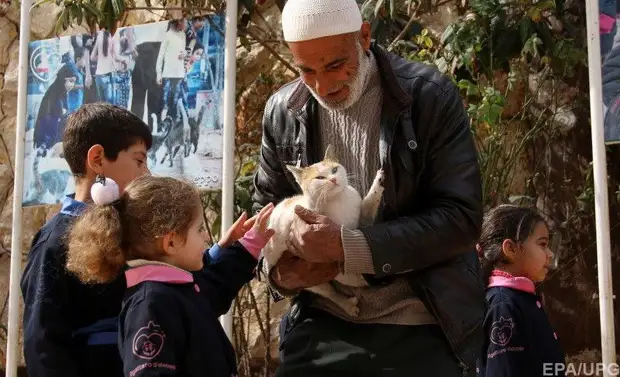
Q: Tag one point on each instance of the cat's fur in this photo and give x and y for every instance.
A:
(326, 190)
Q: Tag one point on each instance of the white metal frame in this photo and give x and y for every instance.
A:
(599, 162)
(12, 348)
(228, 160)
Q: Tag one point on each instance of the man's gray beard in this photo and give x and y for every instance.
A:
(356, 85)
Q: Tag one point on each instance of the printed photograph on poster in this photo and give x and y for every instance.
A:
(169, 73)
(609, 15)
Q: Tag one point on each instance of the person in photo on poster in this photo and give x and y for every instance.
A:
(169, 67)
(125, 49)
(53, 110)
(611, 95)
(103, 54)
(145, 89)
(78, 59)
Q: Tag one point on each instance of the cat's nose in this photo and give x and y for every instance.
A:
(333, 180)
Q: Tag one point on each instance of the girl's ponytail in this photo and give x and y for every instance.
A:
(94, 253)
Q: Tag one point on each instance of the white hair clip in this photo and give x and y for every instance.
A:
(104, 191)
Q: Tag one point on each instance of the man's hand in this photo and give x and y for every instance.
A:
(315, 238)
(293, 273)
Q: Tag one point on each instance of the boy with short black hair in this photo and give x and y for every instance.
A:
(69, 327)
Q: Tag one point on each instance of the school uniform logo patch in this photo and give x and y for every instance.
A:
(501, 331)
(148, 341)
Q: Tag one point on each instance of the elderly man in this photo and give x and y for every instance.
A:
(421, 313)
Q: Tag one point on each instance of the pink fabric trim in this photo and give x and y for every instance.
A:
(606, 23)
(154, 272)
(253, 242)
(503, 279)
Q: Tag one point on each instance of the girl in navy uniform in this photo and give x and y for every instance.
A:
(519, 340)
(168, 325)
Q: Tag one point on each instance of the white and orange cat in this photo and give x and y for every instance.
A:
(326, 190)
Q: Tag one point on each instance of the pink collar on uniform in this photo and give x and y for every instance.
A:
(504, 279)
(157, 272)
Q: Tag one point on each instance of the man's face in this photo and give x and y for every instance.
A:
(333, 68)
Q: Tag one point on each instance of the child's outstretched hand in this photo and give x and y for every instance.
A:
(237, 230)
(257, 237)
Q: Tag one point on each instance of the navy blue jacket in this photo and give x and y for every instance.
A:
(70, 329)
(169, 322)
(519, 340)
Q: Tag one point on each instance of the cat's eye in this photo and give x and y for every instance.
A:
(319, 177)
(335, 170)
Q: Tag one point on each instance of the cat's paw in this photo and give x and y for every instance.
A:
(351, 306)
(379, 178)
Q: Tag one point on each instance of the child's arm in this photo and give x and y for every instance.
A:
(227, 270)
(506, 343)
(224, 273)
(48, 339)
(152, 337)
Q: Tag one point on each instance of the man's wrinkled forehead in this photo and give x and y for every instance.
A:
(322, 53)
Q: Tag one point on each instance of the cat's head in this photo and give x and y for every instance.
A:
(323, 179)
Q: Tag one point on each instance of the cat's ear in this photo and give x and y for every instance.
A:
(296, 172)
(330, 154)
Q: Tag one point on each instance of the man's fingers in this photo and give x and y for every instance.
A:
(307, 215)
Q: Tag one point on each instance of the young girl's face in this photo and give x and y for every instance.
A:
(534, 259)
(189, 254)
(197, 55)
(69, 83)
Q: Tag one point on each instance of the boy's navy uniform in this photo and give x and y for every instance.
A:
(169, 322)
(70, 329)
(519, 340)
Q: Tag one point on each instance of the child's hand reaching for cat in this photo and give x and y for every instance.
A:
(257, 237)
(237, 230)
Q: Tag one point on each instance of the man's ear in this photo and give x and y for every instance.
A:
(297, 172)
(510, 250)
(94, 159)
(365, 35)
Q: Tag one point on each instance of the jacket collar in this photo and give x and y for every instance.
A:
(504, 279)
(396, 97)
(72, 207)
(141, 270)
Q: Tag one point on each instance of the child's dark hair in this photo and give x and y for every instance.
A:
(500, 223)
(106, 236)
(113, 127)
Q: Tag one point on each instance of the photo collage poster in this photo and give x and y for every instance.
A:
(171, 74)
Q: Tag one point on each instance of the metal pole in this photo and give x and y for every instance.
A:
(12, 357)
(228, 167)
(599, 161)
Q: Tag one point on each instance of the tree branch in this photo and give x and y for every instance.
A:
(403, 32)
(270, 49)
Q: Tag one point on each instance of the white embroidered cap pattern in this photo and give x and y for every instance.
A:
(304, 20)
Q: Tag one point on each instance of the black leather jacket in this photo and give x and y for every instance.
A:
(431, 214)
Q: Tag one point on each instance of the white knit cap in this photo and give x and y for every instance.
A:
(303, 20)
